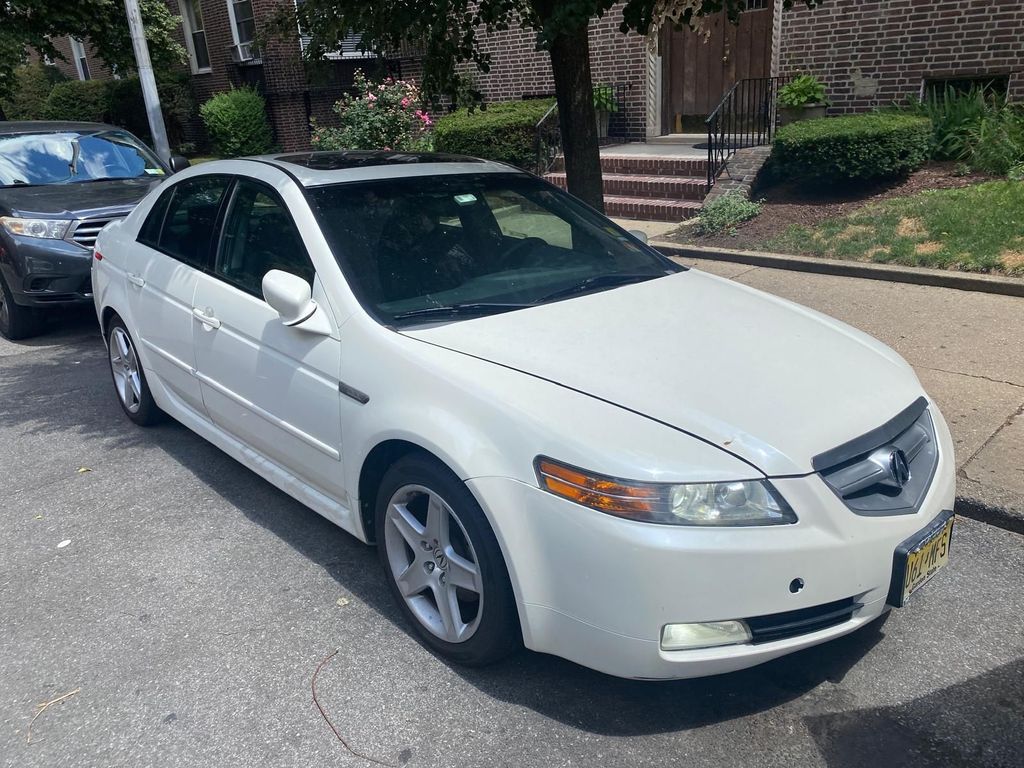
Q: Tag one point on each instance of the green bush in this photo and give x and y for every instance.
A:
(33, 85)
(504, 132)
(725, 212)
(127, 108)
(85, 100)
(237, 123)
(802, 91)
(855, 148)
(952, 112)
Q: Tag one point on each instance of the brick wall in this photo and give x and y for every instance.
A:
(874, 53)
(518, 69)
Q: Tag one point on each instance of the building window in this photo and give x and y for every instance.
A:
(243, 29)
(349, 44)
(756, 5)
(195, 35)
(81, 62)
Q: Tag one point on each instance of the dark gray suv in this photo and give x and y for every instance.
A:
(60, 183)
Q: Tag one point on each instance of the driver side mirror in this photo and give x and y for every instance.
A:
(179, 163)
(291, 297)
(639, 234)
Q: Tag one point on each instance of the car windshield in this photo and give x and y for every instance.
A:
(70, 157)
(438, 248)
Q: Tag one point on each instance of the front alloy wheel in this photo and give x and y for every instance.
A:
(443, 563)
(433, 563)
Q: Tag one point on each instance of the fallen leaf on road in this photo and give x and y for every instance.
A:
(39, 517)
(63, 543)
(343, 601)
(83, 469)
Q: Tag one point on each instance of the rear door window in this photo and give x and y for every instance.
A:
(190, 219)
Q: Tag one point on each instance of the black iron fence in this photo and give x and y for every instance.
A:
(616, 123)
(745, 117)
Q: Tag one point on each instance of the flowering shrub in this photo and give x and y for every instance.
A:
(384, 115)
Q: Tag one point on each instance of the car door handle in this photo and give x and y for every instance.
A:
(208, 320)
(135, 279)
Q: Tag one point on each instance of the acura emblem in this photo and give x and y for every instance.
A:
(899, 468)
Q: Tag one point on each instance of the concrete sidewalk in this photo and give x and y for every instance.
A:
(968, 351)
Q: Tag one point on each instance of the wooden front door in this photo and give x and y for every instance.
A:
(697, 70)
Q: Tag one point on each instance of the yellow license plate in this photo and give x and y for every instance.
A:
(925, 558)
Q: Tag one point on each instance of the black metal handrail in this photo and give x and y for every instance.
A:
(547, 140)
(745, 117)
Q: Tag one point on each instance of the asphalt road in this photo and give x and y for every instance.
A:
(194, 602)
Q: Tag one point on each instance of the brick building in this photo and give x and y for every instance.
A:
(868, 53)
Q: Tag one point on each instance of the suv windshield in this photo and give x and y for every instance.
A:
(70, 157)
(437, 248)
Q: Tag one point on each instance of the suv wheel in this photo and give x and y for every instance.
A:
(16, 321)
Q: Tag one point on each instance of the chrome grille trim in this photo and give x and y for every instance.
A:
(84, 233)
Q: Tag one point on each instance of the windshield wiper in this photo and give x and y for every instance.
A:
(597, 281)
(468, 308)
(76, 151)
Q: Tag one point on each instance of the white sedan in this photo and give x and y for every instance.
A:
(556, 436)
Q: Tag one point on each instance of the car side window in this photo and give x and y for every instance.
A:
(190, 219)
(150, 232)
(259, 235)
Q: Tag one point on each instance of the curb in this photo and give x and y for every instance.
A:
(963, 281)
(1000, 517)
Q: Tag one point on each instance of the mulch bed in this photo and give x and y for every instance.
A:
(794, 203)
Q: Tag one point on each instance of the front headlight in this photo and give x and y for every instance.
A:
(744, 502)
(51, 229)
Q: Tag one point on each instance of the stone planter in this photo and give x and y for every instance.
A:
(789, 115)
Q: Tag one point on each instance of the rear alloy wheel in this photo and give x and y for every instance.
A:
(129, 379)
(16, 321)
(443, 563)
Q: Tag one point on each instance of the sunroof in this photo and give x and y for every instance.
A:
(337, 161)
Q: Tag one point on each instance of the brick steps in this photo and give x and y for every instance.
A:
(650, 209)
(647, 166)
(634, 185)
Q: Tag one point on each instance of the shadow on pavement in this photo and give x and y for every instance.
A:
(974, 723)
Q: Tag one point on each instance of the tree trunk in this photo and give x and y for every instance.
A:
(570, 64)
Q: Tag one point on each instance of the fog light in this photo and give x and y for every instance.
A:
(711, 634)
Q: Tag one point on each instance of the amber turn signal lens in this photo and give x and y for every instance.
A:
(595, 491)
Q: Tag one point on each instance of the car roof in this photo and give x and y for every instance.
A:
(51, 126)
(314, 169)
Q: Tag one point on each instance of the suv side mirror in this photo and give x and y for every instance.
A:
(291, 297)
(639, 234)
(179, 163)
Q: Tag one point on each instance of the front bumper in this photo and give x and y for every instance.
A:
(597, 589)
(46, 272)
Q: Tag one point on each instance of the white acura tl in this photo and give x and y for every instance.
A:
(556, 436)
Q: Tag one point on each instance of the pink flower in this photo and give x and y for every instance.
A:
(405, 102)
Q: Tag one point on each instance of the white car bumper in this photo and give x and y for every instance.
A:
(597, 589)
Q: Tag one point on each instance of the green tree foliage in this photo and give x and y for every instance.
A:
(33, 24)
(33, 83)
(447, 33)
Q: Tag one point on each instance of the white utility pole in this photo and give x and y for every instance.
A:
(148, 82)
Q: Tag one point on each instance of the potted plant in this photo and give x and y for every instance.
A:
(604, 105)
(802, 98)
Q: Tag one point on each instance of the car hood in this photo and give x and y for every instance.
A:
(767, 380)
(75, 201)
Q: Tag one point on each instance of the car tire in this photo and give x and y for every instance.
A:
(443, 563)
(17, 322)
(129, 378)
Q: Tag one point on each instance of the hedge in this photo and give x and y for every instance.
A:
(78, 100)
(33, 83)
(237, 123)
(504, 132)
(868, 147)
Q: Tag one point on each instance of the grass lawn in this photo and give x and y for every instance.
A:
(978, 228)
